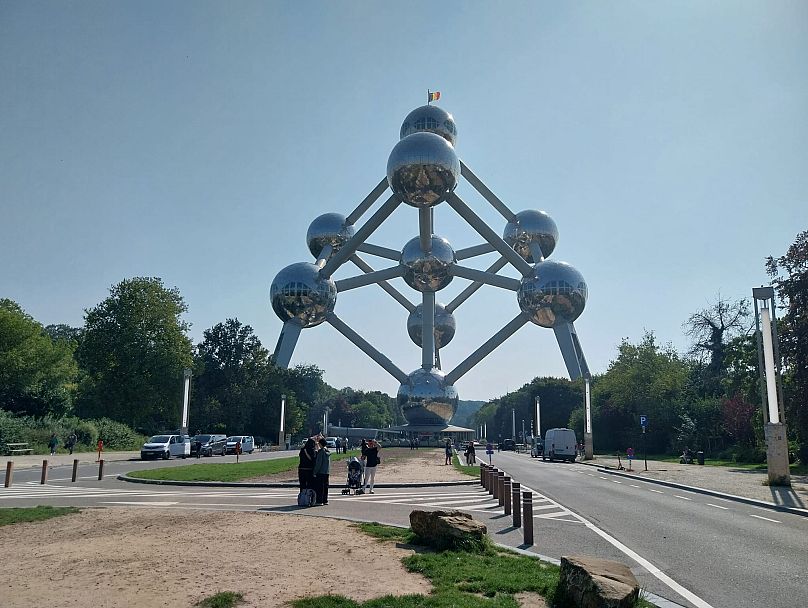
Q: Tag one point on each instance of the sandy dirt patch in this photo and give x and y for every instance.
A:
(146, 558)
(399, 465)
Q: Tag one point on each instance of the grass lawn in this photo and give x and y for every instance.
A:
(223, 599)
(473, 470)
(19, 515)
(460, 579)
(228, 471)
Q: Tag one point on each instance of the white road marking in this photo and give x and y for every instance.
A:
(604, 477)
(657, 491)
(590, 474)
(138, 502)
(615, 481)
(633, 486)
(766, 518)
(709, 504)
(682, 497)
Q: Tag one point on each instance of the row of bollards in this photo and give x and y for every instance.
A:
(508, 494)
(44, 478)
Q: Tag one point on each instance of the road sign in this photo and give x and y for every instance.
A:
(643, 420)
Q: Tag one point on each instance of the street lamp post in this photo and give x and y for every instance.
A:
(771, 391)
(588, 448)
(281, 436)
(186, 398)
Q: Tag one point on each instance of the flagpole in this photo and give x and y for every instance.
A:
(428, 97)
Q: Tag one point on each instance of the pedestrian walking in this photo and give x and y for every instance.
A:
(322, 471)
(71, 442)
(372, 460)
(305, 467)
(52, 443)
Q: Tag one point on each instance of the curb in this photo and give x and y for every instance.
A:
(671, 484)
(247, 484)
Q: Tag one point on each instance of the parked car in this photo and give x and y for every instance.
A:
(166, 446)
(508, 444)
(209, 445)
(331, 442)
(247, 444)
(560, 444)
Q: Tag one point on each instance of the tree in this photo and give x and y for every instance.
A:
(711, 329)
(37, 374)
(60, 331)
(790, 278)
(134, 350)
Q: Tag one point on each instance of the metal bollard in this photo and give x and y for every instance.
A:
(495, 483)
(44, 472)
(489, 485)
(501, 488)
(9, 472)
(507, 492)
(75, 469)
(527, 516)
(517, 511)
(485, 477)
(100, 470)
(482, 474)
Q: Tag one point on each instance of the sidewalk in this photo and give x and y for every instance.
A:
(65, 459)
(728, 480)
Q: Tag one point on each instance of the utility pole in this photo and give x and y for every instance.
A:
(281, 436)
(513, 423)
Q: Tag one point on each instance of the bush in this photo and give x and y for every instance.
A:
(118, 436)
(744, 454)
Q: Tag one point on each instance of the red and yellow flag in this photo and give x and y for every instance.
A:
(433, 96)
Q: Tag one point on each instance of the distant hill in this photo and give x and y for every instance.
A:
(465, 413)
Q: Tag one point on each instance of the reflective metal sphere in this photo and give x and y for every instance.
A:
(428, 271)
(299, 292)
(445, 325)
(427, 399)
(531, 226)
(432, 119)
(423, 169)
(555, 293)
(328, 229)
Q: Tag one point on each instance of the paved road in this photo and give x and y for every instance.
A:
(721, 553)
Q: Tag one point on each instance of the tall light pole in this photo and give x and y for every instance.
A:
(186, 398)
(524, 438)
(771, 391)
(538, 416)
(588, 448)
(513, 422)
(281, 432)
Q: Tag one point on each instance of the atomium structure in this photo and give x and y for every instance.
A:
(423, 171)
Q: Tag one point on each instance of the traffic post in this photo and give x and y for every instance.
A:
(75, 470)
(44, 472)
(100, 469)
(501, 488)
(527, 517)
(507, 493)
(9, 473)
(516, 489)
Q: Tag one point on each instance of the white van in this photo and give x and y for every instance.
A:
(559, 444)
(166, 446)
(247, 444)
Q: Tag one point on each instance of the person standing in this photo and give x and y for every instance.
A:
(448, 452)
(344, 445)
(371, 462)
(322, 469)
(471, 454)
(71, 442)
(305, 467)
(52, 443)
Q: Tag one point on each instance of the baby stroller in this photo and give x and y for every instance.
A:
(354, 482)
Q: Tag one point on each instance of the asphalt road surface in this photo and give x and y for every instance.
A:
(693, 549)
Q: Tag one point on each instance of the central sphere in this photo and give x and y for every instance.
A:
(445, 325)
(428, 271)
(423, 169)
(426, 399)
(531, 226)
(555, 293)
(432, 119)
(328, 229)
(298, 292)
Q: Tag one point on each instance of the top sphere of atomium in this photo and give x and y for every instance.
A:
(432, 119)
(328, 229)
(299, 293)
(531, 227)
(426, 399)
(423, 169)
(445, 325)
(555, 293)
(427, 272)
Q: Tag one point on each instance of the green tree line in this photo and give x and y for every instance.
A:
(126, 363)
(708, 398)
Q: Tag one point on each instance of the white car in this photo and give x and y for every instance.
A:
(331, 442)
(247, 444)
(166, 446)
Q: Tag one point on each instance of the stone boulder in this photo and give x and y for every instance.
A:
(591, 582)
(448, 529)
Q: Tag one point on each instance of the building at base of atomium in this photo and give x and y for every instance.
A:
(422, 172)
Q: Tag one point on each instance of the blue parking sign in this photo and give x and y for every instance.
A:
(643, 420)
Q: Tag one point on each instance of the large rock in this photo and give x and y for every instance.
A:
(448, 529)
(591, 582)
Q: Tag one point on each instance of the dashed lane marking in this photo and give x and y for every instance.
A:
(682, 497)
(709, 504)
(657, 491)
(766, 518)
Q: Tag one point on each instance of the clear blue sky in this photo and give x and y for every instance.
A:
(195, 141)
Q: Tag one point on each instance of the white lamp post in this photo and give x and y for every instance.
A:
(282, 430)
(186, 399)
(588, 448)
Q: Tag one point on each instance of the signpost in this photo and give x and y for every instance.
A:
(489, 449)
(644, 425)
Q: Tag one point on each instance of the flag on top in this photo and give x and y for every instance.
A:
(433, 96)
